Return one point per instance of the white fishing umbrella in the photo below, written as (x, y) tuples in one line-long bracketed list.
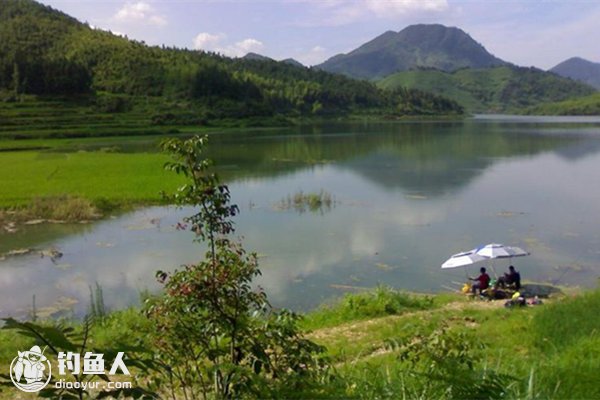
[(463, 259), (495, 250)]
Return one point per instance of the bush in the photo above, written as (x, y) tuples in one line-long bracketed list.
[(113, 103)]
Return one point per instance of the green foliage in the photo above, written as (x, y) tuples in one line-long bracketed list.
[(581, 311), (113, 103), (446, 363), (59, 338), (588, 105), (571, 347), (216, 334), (443, 363), (500, 89)]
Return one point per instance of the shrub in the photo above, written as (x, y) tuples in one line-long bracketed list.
[(216, 334)]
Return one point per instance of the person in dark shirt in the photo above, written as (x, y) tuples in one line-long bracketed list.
[(482, 282), (513, 277)]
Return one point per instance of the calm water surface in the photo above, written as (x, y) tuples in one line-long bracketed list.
[(407, 196)]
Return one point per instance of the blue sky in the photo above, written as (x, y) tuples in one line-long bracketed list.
[(537, 33)]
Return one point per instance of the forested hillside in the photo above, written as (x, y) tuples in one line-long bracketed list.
[(500, 89), (45, 52)]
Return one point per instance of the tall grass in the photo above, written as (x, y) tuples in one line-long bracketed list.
[(380, 302), (568, 337), (64, 208), (563, 324), (302, 202)]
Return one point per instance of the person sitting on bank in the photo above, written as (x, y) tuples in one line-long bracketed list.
[(512, 278), (482, 281)]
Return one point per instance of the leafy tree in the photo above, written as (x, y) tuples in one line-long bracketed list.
[(217, 335)]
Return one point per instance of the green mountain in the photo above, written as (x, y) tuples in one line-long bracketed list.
[(579, 69), (45, 52), (499, 89), (417, 46)]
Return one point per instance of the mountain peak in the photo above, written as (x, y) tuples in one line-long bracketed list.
[(422, 45), (293, 62), (256, 56), (579, 69)]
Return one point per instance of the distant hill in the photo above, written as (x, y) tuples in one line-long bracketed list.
[(260, 57), (256, 56), (579, 69), (417, 46), (499, 89), (588, 105), (293, 62), (47, 53)]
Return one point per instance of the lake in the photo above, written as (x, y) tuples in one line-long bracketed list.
[(405, 196)]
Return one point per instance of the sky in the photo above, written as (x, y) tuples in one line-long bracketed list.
[(540, 33)]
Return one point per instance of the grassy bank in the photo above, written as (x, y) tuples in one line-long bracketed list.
[(390, 344)]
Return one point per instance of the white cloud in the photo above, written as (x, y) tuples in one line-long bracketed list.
[(207, 41), (391, 8), (342, 12), (248, 45), (216, 42), (316, 55), (140, 12)]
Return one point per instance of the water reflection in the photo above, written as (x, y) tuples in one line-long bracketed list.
[(409, 196), (431, 159)]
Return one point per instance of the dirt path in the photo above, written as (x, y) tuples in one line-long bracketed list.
[(356, 329)]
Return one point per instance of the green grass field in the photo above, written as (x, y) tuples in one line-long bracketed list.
[(55, 148), (549, 351), (117, 177)]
